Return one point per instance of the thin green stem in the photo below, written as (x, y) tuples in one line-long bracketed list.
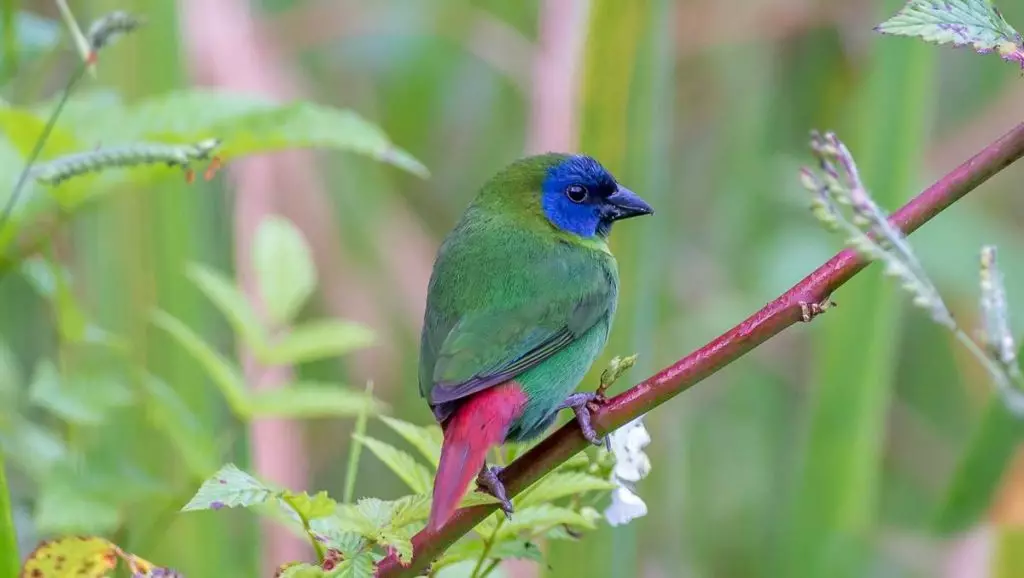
[(356, 449), (37, 149), (8, 535), (317, 545), (488, 545), (490, 568)]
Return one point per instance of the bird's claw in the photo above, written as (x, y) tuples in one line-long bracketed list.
[(487, 481), (580, 404)]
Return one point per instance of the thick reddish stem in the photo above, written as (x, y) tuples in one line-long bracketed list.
[(730, 346)]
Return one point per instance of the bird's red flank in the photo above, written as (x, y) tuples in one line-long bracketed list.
[(479, 424)]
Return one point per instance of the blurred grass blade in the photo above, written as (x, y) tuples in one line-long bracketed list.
[(305, 400), (856, 347), (980, 468)]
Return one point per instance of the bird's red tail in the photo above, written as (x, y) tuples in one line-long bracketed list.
[(479, 424)]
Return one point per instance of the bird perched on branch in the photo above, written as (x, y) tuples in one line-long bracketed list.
[(520, 303)]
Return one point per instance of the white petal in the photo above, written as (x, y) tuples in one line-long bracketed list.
[(631, 463), (625, 506)]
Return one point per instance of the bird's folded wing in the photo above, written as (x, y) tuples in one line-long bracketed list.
[(491, 347)]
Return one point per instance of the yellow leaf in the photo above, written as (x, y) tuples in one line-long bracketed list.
[(79, 556)]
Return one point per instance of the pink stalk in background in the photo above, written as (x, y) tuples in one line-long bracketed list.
[(226, 49)]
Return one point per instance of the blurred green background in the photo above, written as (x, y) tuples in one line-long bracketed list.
[(826, 452)]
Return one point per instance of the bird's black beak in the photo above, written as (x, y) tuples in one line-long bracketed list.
[(623, 204)]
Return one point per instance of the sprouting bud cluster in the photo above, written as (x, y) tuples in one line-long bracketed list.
[(841, 202)]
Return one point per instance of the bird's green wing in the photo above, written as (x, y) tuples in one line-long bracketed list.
[(489, 347)]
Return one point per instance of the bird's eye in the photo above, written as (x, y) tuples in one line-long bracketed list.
[(576, 193)]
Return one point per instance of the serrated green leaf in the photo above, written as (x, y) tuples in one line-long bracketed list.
[(426, 439), (344, 541), (83, 400), (539, 518), (310, 507), (231, 303), (309, 400), (558, 485), (317, 340), (977, 23), (251, 124), (410, 509), (284, 268), (226, 376), (230, 487), (398, 539), (302, 570), (414, 474), (981, 466), (170, 416), (359, 566)]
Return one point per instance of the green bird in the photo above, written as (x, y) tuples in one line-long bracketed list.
[(520, 303)]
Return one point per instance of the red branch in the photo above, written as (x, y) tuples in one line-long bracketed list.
[(771, 320)]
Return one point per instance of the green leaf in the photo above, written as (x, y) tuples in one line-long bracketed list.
[(426, 439), (83, 400), (316, 340), (981, 466), (230, 487), (558, 485), (231, 302), (309, 507), (359, 566), (536, 520), (284, 268), (169, 414), (302, 570), (958, 22), (414, 474), (251, 124), (309, 400), (226, 376)]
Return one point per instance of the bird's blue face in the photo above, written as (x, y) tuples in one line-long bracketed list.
[(581, 197)]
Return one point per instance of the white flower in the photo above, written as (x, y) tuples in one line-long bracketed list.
[(631, 466)]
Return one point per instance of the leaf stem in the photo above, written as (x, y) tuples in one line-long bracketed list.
[(8, 535), (488, 545), (317, 545), (355, 450), (786, 310), (37, 148)]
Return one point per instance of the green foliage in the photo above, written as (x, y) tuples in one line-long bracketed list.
[(559, 506), (230, 487), (284, 268), (980, 468), (977, 23), (286, 278)]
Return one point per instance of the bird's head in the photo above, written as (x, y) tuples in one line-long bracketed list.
[(574, 193)]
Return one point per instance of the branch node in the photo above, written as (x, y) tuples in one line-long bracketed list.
[(808, 311)]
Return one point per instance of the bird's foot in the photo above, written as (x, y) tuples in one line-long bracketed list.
[(489, 483), (580, 403)]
